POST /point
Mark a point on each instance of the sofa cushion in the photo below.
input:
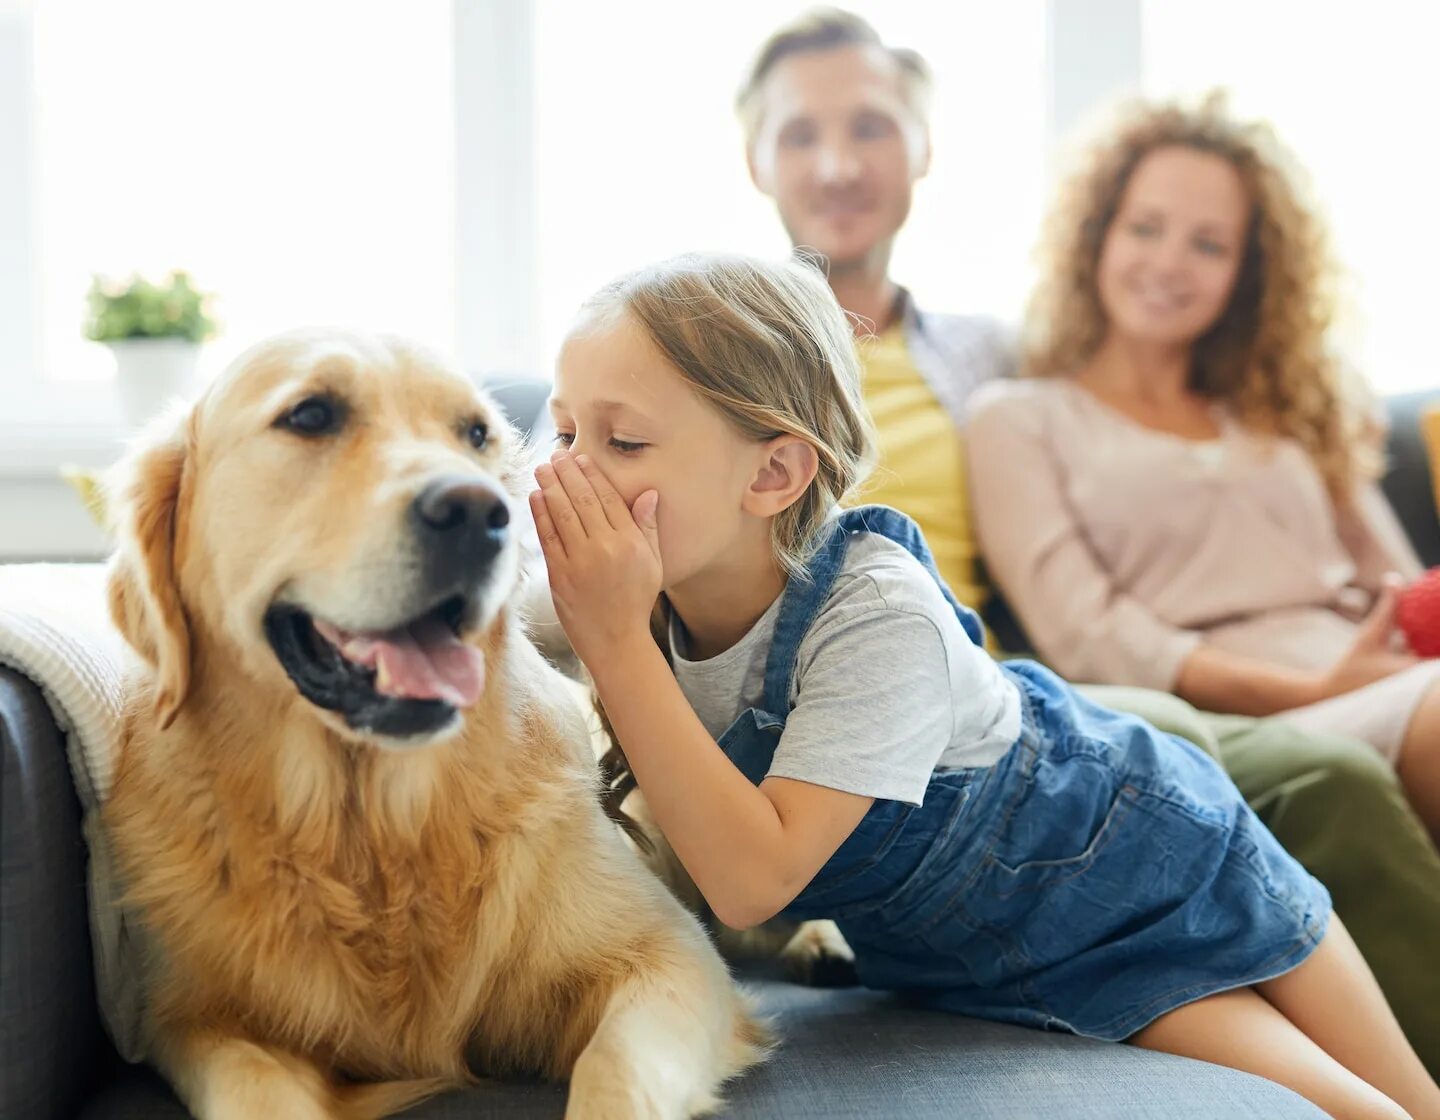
(857, 1054)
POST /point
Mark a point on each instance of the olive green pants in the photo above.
(1338, 808)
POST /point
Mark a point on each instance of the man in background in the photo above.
(837, 135)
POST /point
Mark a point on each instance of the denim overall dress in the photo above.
(1098, 875)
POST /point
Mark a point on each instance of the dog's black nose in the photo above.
(462, 505)
(461, 524)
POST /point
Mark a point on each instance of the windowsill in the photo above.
(42, 517)
(32, 451)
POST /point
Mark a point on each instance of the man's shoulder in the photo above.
(945, 330)
(958, 353)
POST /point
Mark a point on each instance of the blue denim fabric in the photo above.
(1097, 876)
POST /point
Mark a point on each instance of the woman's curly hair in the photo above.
(1266, 356)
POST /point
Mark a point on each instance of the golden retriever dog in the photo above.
(355, 808)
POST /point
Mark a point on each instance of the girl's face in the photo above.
(1171, 255)
(617, 400)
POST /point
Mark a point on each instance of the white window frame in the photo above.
(495, 289)
(1093, 53)
(42, 423)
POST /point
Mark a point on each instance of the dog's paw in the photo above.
(241, 1081)
(819, 956)
(275, 1098)
(620, 1098)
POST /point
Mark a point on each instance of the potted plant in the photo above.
(155, 332)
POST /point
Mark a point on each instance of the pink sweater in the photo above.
(1121, 548)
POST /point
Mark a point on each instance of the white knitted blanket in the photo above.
(55, 628)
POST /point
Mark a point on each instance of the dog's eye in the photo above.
(314, 416)
(478, 435)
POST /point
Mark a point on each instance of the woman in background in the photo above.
(1182, 494)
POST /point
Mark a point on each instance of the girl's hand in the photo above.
(603, 558)
(1372, 656)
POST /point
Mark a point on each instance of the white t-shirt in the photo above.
(887, 686)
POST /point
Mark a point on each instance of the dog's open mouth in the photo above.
(404, 681)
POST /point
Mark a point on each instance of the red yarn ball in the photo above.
(1418, 614)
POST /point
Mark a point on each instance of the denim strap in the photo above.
(805, 595)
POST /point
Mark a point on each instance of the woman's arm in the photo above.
(1216, 681)
(1373, 536)
(1035, 548)
(1225, 682)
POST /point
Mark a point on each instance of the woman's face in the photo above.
(1172, 253)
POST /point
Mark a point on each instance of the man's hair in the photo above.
(825, 29)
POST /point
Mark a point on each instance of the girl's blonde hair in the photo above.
(1266, 356)
(768, 346)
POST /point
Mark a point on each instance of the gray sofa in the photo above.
(845, 1053)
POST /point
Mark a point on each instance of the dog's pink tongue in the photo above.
(422, 661)
(426, 661)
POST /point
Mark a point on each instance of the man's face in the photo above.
(839, 150)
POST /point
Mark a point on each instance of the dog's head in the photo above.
(334, 517)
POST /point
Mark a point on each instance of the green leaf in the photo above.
(140, 308)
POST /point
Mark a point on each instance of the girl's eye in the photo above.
(1144, 229)
(1210, 248)
(625, 446)
(564, 439)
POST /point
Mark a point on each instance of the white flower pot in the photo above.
(149, 372)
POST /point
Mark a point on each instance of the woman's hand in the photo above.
(1372, 655)
(603, 557)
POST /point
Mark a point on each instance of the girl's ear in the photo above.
(788, 467)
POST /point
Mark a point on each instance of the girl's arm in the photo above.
(749, 849)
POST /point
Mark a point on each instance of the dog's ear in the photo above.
(146, 494)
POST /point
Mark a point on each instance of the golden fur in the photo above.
(344, 924)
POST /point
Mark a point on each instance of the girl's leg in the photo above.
(1337, 806)
(1419, 765)
(1241, 1030)
(1333, 998)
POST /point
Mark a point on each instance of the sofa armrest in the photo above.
(1408, 482)
(50, 1034)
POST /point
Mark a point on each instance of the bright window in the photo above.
(296, 156)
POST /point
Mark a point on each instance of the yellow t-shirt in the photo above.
(921, 467)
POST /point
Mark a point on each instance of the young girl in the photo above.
(826, 737)
(1183, 496)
